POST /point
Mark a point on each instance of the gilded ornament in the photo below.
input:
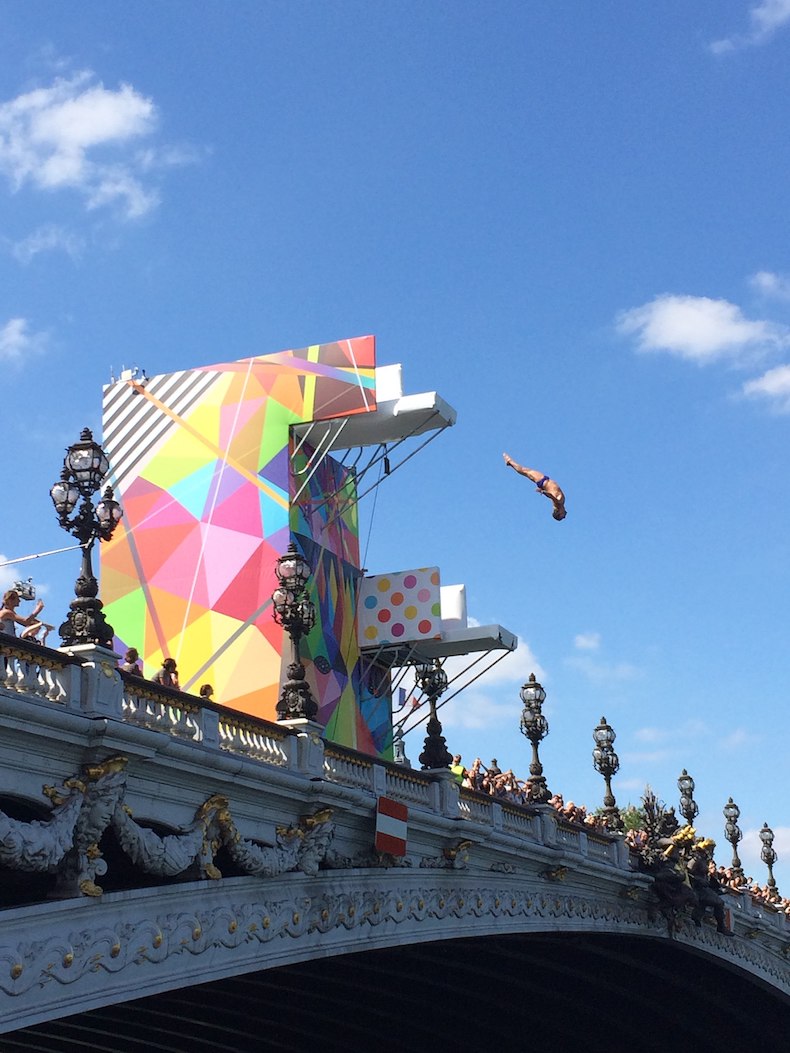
(68, 960)
(197, 932)
(16, 970)
(115, 950)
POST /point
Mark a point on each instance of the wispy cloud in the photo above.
(771, 285)
(48, 238)
(649, 757)
(699, 329)
(76, 134)
(8, 575)
(765, 18)
(688, 730)
(598, 672)
(588, 641)
(772, 388)
(738, 738)
(18, 341)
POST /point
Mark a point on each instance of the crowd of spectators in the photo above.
(506, 786)
(762, 895)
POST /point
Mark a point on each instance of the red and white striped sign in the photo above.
(391, 817)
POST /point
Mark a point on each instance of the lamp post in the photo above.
(432, 680)
(768, 856)
(295, 612)
(733, 834)
(607, 763)
(688, 806)
(535, 727)
(84, 467)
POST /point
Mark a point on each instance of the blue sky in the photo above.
(570, 220)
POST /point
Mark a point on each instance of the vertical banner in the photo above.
(391, 826)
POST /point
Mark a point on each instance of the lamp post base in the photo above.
(86, 624)
(296, 700)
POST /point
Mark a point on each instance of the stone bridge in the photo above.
(150, 843)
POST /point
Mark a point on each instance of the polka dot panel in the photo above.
(400, 607)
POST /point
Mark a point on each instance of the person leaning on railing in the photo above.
(9, 619)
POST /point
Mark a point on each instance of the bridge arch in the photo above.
(591, 992)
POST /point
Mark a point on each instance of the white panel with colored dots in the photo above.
(399, 608)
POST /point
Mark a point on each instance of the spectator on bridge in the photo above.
(474, 776)
(207, 692)
(457, 768)
(130, 663)
(167, 676)
(9, 619)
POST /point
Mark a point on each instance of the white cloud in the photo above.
(737, 738)
(8, 575)
(699, 329)
(49, 238)
(588, 641)
(766, 18)
(770, 284)
(773, 387)
(475, 710)
(690, 731)
(651, 757)
(493, 699)
(18, 342)
(603, 672)
(79, 135)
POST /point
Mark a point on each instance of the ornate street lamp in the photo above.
(768, 856)
(295, 612)
(535, 726)
(607, 763)
(733, 834)
(432, 681)
(688, 806)
(84, 467)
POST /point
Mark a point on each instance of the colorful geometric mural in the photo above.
(325, 527)
(200, 463)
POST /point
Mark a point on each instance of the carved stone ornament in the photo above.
(68, 843)
(239, 923)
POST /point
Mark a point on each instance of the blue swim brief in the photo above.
(542, 482)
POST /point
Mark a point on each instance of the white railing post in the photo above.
(208, 722)
(102, 687)
(449, 793)
(310, 746)
(548, 825)
(379, 780)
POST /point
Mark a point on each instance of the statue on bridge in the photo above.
(680, 864)
(89, 805)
